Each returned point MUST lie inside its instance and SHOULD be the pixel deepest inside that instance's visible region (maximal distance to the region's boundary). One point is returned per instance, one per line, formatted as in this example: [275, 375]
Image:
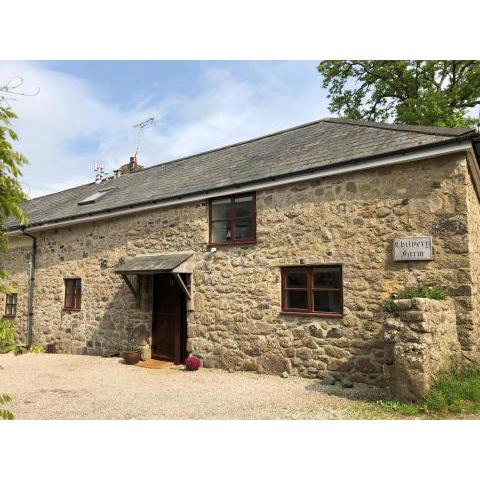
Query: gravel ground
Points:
[83, 387]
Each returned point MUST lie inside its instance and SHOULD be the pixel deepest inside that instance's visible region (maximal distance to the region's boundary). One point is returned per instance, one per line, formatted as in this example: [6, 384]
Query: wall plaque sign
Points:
[412, 248]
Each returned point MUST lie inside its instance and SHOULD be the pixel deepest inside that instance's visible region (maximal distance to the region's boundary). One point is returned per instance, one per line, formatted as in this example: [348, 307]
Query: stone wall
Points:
[469, 328]
[420, 342]
[237, 324]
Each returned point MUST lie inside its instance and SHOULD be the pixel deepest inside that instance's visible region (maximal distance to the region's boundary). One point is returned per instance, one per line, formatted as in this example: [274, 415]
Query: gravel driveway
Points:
[47, 386]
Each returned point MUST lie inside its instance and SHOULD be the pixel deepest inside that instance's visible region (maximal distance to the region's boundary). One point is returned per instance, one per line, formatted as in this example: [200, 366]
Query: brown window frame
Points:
[231, 220]
[308, 270]
[76, 294]
[9, 303]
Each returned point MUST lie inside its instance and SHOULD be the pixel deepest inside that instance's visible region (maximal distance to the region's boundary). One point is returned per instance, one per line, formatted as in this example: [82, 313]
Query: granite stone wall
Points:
[420, 343]
[237, 321]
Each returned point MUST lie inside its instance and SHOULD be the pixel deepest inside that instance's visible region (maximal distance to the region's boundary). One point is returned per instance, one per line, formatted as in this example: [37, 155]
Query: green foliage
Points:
[415, 291]
[406, 409]
[456, 392]
[131, 347]
[36, 349]
[422, 291]
[389, 305]
[416, 92]
[131, 344]
[11, 194]
[7, 337]
[5, 414]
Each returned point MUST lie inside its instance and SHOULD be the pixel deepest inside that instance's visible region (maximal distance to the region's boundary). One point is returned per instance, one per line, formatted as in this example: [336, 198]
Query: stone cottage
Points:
[274, 254]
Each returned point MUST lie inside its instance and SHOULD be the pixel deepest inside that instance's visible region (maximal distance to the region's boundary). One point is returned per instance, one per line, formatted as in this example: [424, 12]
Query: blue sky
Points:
[85, 111]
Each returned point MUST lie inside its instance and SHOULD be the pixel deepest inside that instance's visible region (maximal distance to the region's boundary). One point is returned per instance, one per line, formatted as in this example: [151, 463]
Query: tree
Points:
[417, 92]
[11, 194]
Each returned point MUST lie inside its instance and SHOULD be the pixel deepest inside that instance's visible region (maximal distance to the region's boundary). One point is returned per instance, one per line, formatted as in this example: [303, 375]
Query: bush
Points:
[193, 363]
[456, 392]
[5, 414]
[7, 337]
[36, 349]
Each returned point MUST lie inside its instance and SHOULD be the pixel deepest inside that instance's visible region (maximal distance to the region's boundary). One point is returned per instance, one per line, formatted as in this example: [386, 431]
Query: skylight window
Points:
[95, 196]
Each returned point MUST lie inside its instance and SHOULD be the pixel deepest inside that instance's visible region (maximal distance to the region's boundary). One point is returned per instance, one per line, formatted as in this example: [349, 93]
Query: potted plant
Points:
[131, 353]
[131, 350]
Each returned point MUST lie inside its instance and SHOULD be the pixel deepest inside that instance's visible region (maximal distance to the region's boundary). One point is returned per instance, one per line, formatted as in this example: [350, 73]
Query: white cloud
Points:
[228, 107]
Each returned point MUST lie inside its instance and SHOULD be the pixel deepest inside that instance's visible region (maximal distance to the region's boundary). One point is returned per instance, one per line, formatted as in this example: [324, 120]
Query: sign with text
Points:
[412, 248]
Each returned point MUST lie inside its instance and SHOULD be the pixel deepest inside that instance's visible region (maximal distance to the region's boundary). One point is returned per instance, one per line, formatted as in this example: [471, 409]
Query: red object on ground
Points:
[193, 363]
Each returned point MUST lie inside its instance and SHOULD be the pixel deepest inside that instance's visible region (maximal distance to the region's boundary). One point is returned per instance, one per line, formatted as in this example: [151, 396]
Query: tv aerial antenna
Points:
[100, 173]
[140, 126]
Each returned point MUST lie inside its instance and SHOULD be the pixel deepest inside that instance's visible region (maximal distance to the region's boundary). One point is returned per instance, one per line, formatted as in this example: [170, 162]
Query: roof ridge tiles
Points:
[424, 129]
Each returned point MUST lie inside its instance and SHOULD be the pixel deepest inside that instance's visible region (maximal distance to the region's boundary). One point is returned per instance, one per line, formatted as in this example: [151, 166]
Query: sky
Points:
[85, 111]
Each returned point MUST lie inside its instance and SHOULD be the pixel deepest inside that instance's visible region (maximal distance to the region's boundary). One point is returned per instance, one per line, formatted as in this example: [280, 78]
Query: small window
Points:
[11, 304]
[73, 293]
[315, 290]
[233, 220]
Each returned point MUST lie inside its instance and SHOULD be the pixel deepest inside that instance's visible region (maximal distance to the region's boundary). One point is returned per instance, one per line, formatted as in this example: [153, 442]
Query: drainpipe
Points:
[31, 282]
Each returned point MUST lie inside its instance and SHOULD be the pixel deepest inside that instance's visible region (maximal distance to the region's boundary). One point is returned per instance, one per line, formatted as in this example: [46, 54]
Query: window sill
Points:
[71, 309]
[232, 244]
[7, 315]
[312, 314]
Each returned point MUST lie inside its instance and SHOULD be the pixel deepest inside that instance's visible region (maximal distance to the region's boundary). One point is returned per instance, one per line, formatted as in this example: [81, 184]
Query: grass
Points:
[422, 291]
[415, 291]
[456, 392]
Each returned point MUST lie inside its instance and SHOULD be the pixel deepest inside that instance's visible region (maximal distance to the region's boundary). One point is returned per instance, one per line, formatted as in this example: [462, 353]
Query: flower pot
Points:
[131, 358]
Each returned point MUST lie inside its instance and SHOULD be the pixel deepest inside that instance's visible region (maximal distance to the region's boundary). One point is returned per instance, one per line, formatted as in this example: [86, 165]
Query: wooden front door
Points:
[168, 320]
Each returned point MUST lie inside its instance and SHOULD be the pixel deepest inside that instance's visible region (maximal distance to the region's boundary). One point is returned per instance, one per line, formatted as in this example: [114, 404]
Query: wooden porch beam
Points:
[131, 287]
[182, 285]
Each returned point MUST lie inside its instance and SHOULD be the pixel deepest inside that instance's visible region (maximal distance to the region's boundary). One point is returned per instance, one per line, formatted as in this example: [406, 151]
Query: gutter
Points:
[31, 282]
[402, 156]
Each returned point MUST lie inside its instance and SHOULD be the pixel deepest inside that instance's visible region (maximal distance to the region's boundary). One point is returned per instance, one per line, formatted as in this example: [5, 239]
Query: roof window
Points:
[95, 196]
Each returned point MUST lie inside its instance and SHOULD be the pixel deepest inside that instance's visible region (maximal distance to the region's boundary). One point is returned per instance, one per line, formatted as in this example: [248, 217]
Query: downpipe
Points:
[31, 284]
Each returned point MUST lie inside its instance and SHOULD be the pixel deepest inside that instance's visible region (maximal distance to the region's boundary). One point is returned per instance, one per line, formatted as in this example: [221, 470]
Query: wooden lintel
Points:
[182, 285]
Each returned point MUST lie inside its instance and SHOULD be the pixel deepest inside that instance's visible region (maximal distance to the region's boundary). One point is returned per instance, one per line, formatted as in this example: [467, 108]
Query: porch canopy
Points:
[150, 264]
[175, 263]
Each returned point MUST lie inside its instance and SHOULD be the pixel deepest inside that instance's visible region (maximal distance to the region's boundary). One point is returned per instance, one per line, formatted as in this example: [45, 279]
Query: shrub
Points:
[5, 414]
[7, 337]
[36, 349]
[193, 363]
[456, 392]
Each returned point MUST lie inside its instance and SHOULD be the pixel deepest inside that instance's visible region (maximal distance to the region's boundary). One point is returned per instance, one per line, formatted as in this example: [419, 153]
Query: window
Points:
[11, 304]
[314, 289]
[73, 293]
[232, 220]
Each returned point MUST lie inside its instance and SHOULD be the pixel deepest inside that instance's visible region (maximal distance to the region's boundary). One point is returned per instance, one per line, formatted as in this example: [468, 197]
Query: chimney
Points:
[133, 163]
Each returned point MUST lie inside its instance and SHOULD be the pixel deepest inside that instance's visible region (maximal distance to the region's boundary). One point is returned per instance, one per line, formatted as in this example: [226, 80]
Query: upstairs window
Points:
[316, 290]
[73, 293]
[11, 304]
[232, 220]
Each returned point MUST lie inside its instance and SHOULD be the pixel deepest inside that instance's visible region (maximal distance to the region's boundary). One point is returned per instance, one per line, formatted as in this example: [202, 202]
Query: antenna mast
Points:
[140, 126]
[100, 173]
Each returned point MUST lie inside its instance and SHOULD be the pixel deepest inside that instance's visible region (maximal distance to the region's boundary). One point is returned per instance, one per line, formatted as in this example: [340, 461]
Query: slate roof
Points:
[312, 146]
[153, 263]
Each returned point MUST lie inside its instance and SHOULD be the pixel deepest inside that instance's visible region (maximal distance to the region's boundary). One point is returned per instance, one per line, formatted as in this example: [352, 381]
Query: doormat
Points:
[152, 363]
